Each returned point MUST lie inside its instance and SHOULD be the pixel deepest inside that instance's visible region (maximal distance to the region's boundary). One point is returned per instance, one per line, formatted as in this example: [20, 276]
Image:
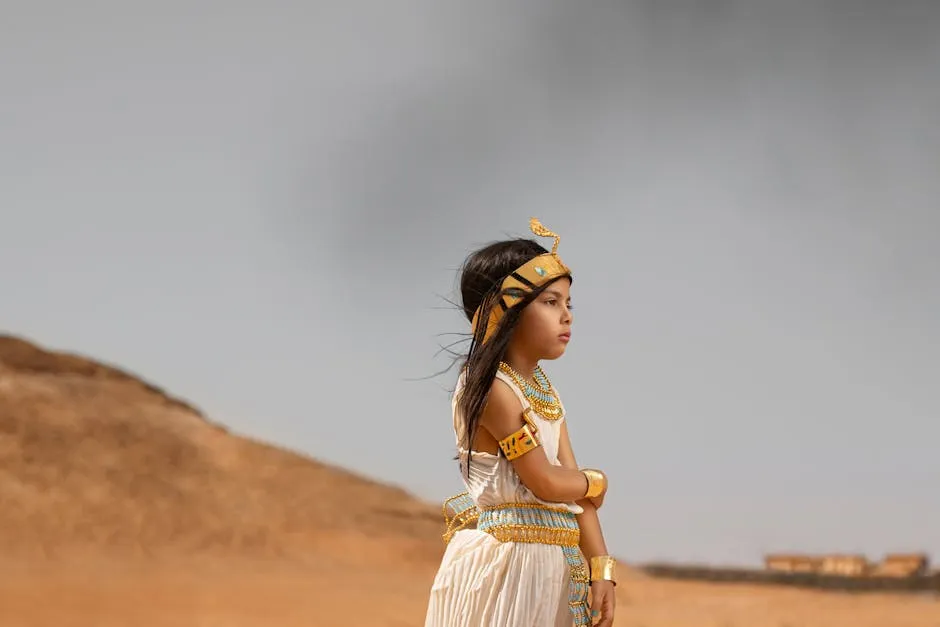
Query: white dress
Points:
[483, 582]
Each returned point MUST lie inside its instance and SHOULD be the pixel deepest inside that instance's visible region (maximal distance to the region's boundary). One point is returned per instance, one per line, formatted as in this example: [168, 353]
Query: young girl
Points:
[517, 538]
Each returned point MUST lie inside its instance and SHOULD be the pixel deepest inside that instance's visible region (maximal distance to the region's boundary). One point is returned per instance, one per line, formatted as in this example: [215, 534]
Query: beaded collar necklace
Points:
[541, 396]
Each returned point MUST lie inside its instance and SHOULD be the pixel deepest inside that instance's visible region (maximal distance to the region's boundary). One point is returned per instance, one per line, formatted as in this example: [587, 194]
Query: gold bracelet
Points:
[517, 444]
[604, 568]
[597, 483]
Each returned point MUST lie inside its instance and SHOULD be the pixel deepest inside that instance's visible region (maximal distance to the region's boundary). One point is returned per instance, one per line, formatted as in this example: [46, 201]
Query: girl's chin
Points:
[554, 353]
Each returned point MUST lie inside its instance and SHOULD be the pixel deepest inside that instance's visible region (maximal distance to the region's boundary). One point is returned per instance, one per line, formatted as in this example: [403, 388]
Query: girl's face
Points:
[544, 329]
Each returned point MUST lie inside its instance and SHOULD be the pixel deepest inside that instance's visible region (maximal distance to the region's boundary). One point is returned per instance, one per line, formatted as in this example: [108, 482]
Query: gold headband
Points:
[529, 276]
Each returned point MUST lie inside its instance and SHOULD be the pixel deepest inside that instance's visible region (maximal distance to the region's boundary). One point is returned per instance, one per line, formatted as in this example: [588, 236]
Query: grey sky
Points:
[256, 205]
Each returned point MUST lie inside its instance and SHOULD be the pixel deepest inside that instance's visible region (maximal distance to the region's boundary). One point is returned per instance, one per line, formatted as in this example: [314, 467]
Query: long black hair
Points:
[481, 279]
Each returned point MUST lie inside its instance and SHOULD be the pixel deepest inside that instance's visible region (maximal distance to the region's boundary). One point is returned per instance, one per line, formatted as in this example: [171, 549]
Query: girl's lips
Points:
[565, 337]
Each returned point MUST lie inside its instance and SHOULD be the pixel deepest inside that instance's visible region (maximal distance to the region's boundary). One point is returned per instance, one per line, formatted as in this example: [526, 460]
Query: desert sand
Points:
[122, 506]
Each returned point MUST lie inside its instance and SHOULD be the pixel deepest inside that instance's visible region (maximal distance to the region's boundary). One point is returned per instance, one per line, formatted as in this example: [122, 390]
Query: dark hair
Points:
[481, 278]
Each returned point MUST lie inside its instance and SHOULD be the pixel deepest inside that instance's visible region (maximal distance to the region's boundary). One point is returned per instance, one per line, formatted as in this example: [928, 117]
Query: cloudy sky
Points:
[261, 207]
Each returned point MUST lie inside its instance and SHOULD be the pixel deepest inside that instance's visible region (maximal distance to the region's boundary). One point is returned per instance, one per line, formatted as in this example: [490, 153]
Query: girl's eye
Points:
[551, 301]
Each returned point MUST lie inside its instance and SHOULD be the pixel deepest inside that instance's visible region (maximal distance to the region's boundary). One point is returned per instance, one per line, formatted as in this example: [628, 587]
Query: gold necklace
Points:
[541, 396]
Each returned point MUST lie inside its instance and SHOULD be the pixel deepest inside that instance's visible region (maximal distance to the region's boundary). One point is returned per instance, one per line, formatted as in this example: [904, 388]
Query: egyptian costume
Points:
[511, 559]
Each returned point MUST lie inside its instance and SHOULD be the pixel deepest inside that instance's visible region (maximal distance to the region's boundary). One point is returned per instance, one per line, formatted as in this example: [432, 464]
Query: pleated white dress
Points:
[483, 582]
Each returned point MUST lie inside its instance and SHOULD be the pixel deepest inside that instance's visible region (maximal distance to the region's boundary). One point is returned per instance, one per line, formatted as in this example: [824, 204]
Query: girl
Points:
[517, 538]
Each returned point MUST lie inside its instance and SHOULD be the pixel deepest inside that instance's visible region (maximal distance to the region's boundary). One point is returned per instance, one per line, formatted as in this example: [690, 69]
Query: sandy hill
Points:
[93, 458]
[121, 505]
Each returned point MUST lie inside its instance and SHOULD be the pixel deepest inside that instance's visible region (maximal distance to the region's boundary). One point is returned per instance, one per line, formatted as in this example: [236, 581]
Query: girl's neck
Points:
[522, 364]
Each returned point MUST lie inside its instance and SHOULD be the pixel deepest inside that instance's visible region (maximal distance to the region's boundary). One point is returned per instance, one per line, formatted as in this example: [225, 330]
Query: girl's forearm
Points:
[592, 538]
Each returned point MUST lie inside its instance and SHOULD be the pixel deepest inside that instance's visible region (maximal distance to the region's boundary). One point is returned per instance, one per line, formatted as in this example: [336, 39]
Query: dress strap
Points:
[502, 376]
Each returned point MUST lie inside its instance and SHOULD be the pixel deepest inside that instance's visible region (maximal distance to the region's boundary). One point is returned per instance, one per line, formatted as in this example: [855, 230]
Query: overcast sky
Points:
[261, 207]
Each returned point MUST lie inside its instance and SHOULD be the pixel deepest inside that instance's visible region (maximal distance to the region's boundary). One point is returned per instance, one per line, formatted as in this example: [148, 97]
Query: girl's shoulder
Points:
[503, 380]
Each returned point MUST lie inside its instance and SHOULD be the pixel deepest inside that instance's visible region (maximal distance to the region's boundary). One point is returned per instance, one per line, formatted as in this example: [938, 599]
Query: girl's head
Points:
[516, 295]
[529, 319]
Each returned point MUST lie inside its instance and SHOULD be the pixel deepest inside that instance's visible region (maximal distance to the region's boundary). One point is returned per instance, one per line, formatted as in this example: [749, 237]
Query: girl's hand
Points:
[603, 599]
[597, 501]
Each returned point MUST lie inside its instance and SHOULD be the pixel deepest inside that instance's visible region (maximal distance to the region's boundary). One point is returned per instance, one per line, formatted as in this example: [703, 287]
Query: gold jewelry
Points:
[541, 396]
[597, 483]
[530, 523]
[459, 513]
[532, 274]
[527, 416]
[517, 444]
[604, 568]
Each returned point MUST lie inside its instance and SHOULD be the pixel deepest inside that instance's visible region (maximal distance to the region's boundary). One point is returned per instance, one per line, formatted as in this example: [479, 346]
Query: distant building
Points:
[792, 563]
[846, 565]
[903, 565]
[893, 565]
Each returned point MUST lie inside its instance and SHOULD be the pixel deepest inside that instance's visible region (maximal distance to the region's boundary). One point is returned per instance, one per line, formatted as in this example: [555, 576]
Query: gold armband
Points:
[519, 443]
[604, 568]
[597, 483]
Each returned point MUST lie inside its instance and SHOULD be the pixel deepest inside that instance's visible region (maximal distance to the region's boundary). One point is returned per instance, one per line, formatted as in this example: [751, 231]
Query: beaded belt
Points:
[532, 523]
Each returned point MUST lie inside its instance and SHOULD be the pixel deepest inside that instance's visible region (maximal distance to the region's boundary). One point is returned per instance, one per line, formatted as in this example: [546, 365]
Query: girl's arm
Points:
[603, 597]
[592, 538]
[502, 417]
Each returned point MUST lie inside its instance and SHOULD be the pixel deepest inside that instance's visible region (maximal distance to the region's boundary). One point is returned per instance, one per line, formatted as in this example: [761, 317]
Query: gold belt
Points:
[530, 522]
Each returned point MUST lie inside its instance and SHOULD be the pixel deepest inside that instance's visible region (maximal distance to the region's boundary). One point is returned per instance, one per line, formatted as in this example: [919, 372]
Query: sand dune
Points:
[120, 505]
